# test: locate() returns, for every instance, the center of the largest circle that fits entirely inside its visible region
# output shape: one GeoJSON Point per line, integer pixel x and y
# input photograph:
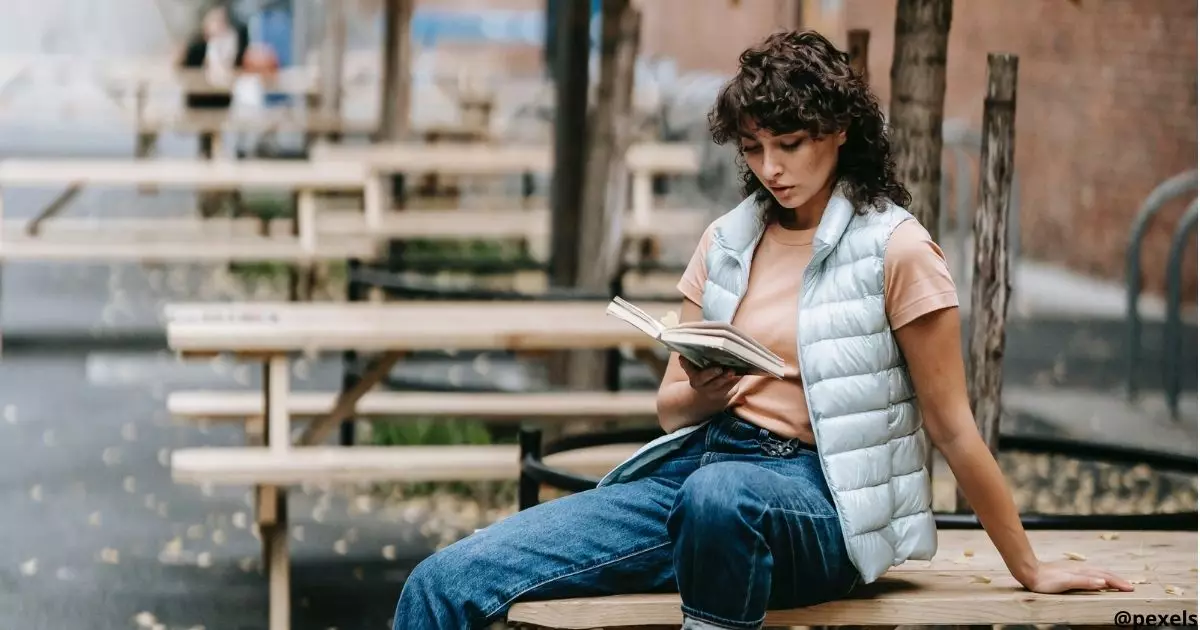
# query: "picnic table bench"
{"type": "Point", "coordinates": [644, 160]}
{"type": "Point", "coordinates": [966, 583]}
{"type": "Point", "coordinates": [271, 332]}
{"type": "Point", "coordinates": [305, 178]}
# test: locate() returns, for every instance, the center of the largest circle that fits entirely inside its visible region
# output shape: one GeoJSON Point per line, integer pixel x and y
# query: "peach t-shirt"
{"type": "Point", "coordinates": [916, 281]}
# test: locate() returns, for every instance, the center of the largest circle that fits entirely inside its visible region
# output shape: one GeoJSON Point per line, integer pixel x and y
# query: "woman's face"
{"type": "Point", "coordinates": [793, 166]}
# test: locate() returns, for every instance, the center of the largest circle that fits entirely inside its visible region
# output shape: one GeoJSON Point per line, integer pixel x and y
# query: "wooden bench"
{"type": "Point", "coordinates": [241, 405]}
{"type": "Point", "coordinates": [304, 178]}
{"type": "Point", "coordinates": [270, 332]}
{"type": "Point", "coordinates": [644, 160]}
{"type": "Point", "coordinates": [335, 464]}
{"type": "Point", "coordinates": [965, 584]}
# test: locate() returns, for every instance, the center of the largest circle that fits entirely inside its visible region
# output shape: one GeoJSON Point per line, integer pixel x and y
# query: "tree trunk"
{"type": "Point", "coordinates": [922, 33]}
{"type": "Point", "coordinates": [990, 287]}
{"type": "Point", "coordinates": [606, 179]}
{"type": "Point", "coordinates": [918, 95]}
{"type": "Point", "coordinates": [397, 70]}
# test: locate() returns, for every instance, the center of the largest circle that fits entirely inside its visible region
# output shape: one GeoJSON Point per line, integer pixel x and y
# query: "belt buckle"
{"type": "Point", "coordinates": [778, 448]}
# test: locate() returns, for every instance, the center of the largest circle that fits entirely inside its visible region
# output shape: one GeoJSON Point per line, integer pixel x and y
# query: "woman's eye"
{"type": "Point", "coordinates": [749, 149]}
{"type": "Point", "coordinates": [791, 146]}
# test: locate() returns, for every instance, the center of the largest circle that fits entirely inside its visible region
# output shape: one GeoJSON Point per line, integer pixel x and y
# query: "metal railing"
{"type": "Point", "coordinates": [1179, 185]}
{"type": "Point", "coordinates": [535, 472]}
{"type": "Point", "coordinates": [1173, 331]}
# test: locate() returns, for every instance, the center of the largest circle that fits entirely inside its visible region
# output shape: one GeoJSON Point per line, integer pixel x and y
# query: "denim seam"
{"type": "Point", "coordinates": [754, 565]}
{"type": "Point", "coordinates": [523, 590]}
{"type": "Point", "coordinates": [804, 514]}
{"type": "Point", "coordinates": [721, 621]}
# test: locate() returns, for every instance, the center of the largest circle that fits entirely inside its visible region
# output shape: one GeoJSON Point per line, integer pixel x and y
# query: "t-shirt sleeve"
{"type": "Point", "coordinates": [917, 278]}
{"type": "Point", "coordinates": [691, 284]}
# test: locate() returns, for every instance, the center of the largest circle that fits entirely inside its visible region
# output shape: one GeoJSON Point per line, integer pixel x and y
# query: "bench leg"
{"type": "Point", "coordinates": [277, 562]}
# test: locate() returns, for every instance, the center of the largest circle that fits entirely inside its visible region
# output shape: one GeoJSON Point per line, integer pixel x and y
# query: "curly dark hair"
{"type": "Point", "coordinates": [799, 81]}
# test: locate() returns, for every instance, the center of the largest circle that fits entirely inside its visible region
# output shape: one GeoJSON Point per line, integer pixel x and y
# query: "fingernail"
{"type": "Point", "coordinates": [1097, 582]}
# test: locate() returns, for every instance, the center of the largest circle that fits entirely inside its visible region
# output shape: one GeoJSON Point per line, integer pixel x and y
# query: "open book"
{"type": "Point", "coordinates": [703, 343]}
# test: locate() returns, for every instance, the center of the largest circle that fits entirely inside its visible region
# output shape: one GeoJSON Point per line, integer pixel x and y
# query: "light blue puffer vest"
{"type": "Point", "coordinates": [870, 441]}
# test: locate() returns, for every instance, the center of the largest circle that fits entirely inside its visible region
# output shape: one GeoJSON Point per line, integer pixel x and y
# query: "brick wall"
{"type": "Point", "coordinates": [1106, 102]}
{"type": "Point", "coordinates": [1106, 107]}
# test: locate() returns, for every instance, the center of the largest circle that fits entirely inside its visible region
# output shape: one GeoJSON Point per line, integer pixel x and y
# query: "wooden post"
{"type": "Point", "coordinates": [918, 97]}
{"type": "Point", "coordinates": [991, 286]}
{"type": "Point", "coordinates": [333, 57]}
{"type": "Point", "coordinates": [606, 181]}
{"type": "Point", "coordinates": [858, 42]}
{"type": "Point", "coordinates": [570, 153]}
{"type": "Point", "coordinates": [570, 137]}
{"type": "Point", "coordinates": [397, 70]}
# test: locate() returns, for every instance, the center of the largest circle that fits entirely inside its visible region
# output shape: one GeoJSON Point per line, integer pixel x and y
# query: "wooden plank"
{"type": "Point", "coordinates": [247, 250]}
{"type": "Point", "coordinates": [241, 405]}
{"type": "Point", "coordinates": [218, 174]}
{"type": "Point", "coordinates": [257, 465]}
{"type": "Point", "coordinates": [981, 595]}
{"type": "Point", "coordinates": [493, 159]}
{"type": "Point", "coordinates": [267, 327]}
{"type": "Point", "coordinates": [532, 224]}
{"type": "Point", "coordinates": [201, 121]}
{"type": "Point", "coordinates": [154, 77]}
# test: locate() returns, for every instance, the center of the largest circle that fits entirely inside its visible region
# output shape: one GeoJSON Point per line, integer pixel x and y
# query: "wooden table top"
{"type": "Point", "coordinates": [183, 172]}
{"type": "Point", "coordinates": [281, 327]}
{"type": "Point", "coordinates": [484, 158]}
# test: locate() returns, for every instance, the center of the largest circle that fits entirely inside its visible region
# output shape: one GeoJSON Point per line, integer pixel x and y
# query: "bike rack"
{"type": "Point", "coordinates": [1180, 184]}
{"type": "Point", "coordinates": [1173, 331]}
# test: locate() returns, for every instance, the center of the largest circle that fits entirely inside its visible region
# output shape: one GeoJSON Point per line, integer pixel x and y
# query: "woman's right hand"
{"type": "Point", "coordinates": [713, 385]}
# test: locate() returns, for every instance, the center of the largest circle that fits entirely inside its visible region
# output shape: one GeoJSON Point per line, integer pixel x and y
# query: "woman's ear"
{"type": "Point", "coordinates": [841, 137]}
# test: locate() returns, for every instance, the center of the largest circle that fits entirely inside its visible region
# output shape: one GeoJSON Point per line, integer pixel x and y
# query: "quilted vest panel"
{"type": "Point", "coordinates": [870, 440]}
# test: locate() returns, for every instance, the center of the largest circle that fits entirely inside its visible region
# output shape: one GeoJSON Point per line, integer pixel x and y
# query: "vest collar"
{"type": "Point", "coordinates": [741, 227]}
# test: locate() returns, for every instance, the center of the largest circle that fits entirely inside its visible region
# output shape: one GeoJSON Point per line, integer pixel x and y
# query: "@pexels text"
{"type": "Point", "coordinates": [1127, 619]}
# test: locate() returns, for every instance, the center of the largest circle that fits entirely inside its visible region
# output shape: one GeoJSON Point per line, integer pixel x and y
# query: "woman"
{"type": "Point", "coordinates": [736, 507]}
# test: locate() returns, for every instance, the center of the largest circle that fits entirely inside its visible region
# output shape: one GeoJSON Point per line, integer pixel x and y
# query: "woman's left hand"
{"type": "Point", "coordinates": [1057, 577]}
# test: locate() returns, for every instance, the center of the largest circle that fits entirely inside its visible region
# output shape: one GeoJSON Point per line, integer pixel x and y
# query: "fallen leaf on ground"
{"type": "Point", "coordinates": [130, 484]}
{"type": "Point", "coordinates": [969, 553]}
{"type": "Point", "coordinates": [145, 620]}
{"type": "Point", "coordinates": [94, 519]}
{"type": "Point", "coordinates": [35, 493]}
{"type": "Point", "coordinates": [1139, 580]}
{"type": "Point", "coordinates": [340, 547]}
{"type": "Point", "coordinates": [1109, 536]}
{"type": "Point", "coordinates": [1074, 556]}
{"type": "Point", "coordinates": [239, 520]}
{"type": "Point", "coordinates": [110, 556]}
{"type": "Point", "coordinates": [29, 567]}
{"type": "Point", "coordinates": [389, 552]}
{"type": "Point", "coordinates": [980, 579]}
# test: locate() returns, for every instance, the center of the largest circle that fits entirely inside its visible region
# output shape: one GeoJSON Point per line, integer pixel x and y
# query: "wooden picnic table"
{"type": "Point", "coordinates": [271, 332]}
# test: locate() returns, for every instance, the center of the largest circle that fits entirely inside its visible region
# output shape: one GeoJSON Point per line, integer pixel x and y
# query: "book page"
{"type": "Point", "coordinates": [703, 327]}
{"type": "Point", "coordinates": [631, 314]}
{"type": "Point", "coordinates": [725, 339]}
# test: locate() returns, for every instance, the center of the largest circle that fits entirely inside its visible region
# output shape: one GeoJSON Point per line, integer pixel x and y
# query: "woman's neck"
{"type": "Point", "coordinates": [808, 215]}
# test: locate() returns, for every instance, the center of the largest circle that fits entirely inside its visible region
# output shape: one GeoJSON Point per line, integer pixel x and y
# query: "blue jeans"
{"type": "Point", "coordinates": [738, 521]}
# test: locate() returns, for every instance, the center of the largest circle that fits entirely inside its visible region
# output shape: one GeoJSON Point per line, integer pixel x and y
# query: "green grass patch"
{"type": "Point", "coordinates": [444, 431]}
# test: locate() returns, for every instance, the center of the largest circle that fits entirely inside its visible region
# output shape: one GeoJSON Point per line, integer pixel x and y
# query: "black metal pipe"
{"type": "Point", "coordinates": [530, 445]}
{"type": "Point", "coordinates": [1174, 522]}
